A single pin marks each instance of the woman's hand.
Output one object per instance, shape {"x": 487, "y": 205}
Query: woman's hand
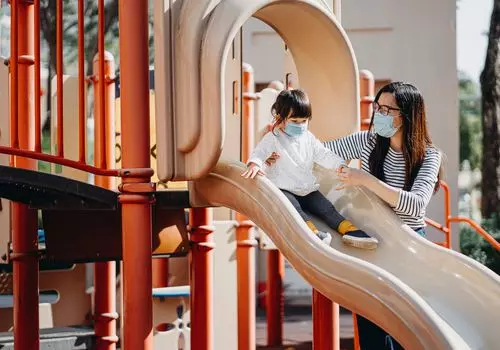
{"x": 272, "y": 159}
{"x": 351, "y": 177}
{"x": 252, "y": 171}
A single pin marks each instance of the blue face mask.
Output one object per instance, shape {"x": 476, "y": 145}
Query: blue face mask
{"x": 384, "y": 125}
{"x": 295, "y": 129}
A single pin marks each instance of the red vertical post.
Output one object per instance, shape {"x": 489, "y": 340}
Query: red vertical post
{"x": 356, "y": 332}
{"x": 201, "y": 283}
{"x": 245, "y": 237}
{"x": 136, "y": 205}
{"x": 275, "y": 299}
{"x": 24, "y": 220}
{"x": 325, "y": 323}
{"x": 366, "y": 97}
{"x": 105, "y": 272}
{"x": 160, "y": 272}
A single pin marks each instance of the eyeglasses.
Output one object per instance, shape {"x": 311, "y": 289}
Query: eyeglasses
{"x": 383, "y": 109}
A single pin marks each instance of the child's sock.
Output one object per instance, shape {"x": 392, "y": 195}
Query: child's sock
{"x": 346, "y": 226}
{"x": 313, "y": 227}
{"x": 324, "y": 236}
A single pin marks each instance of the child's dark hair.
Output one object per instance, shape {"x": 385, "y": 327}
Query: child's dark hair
{"x": 291, "y": 103}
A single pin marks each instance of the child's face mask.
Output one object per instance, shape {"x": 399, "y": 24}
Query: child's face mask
{"x": 295, "y": 129}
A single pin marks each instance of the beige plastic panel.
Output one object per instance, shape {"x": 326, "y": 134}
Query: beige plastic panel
{"x": 4, "y": 159}
{"x": 165, "y": 311}
{"x": 225, "y": 286}
{"x": 428, "y": 297}
{"x": 178, "y": 33}
{"x": 163, "y": 108}
{"x": 233, "y": 108}
{"x": 70, "y": 120}
{"x": 325, "y": 63}
{"x": 322, "y": 54}
{"x": 263, "y": 116}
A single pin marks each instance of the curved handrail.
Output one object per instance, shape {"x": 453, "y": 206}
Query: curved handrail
{"x": 446, "y": 228}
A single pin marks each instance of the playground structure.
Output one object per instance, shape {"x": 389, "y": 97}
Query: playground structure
{"x": 198, "y": 59}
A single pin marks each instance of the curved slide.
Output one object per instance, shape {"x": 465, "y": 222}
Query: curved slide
{"x": 427, "y": 296}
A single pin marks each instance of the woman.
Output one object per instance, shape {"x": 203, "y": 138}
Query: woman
{"x": 399, "y": 164}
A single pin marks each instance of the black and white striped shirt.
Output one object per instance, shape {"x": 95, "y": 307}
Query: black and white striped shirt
{"x": 411, "y": 204}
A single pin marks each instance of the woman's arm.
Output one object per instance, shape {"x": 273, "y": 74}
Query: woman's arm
{"x": 324, "y": 156}
{"x": 407, "y": 202}
{"x": 349, "y": 147}
{"x": 412, "y": 202}
{"x": 357, "y": 177}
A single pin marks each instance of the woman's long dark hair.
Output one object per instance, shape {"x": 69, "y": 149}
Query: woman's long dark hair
{"x": 416, "y": 137}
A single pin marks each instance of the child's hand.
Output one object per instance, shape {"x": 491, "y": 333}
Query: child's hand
{"x": 351, "y": 177}
{"x": 339, "y": 169}
{"x": 252, "y": 171}
{"x": 272, "y": 159}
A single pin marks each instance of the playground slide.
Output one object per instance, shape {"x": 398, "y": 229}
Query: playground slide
{"x": 428, "y": 297}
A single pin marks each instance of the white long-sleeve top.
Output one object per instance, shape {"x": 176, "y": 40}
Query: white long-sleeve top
{"x": 293, "y": 171}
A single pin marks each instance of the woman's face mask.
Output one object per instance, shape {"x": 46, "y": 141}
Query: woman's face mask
{"x": 295, "y": 129}
{"x": 384, "y": 125}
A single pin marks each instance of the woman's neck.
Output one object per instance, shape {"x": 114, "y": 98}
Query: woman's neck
{"x": 397, "y": 141}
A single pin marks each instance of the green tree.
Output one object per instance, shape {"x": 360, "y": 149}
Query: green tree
{"x": 476, "y": 247}
{"x": 470, "y": 122}
{"x": 490, "y": 91}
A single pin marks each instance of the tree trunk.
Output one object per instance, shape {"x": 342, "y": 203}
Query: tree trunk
{"x": 490, "y": 89}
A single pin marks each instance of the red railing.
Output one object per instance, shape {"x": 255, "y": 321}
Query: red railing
{"x": 449, "y": 219}
{"x": 17, "y": 83}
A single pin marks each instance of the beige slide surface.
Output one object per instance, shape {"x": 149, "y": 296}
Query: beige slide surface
{"x": 428, "y": 297}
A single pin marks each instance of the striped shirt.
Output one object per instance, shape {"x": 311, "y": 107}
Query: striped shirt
{"x": 411, "y": 204}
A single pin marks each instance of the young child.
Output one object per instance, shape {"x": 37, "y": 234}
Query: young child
{"x": 293, "y": 171}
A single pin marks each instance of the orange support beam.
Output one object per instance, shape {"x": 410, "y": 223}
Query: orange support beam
{"x": 136, "y": 207}
{"x": 160, "y": 272}
{"x": 326, "y": 334}
{"x": 202, "y": 264}
{"x": 105, "y": 272}
{"x": 245, "y": 237}
{"x": 24, "y": 220}
{"x": 367, "y": 96}
{"x": 275, "y": 299}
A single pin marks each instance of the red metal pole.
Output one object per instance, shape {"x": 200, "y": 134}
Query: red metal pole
{"x": 82, "y": 102}
{"x": 201, "y": 279}
{"x": 160, "y": 272}
{"x": 24, "y": 220}
{"x": 104, "y": 272}
{"x": 356, "y": 332}
{"x": 447, "y": 212}
{"x": 275, "y": 299}
{"x": 367, "y": 95}
{"x": 136, "y": 207}
{"x": 325, "y": 323}
{"x": 245, "y": 237}
{"x": 59, "y": 77}
{"x": 38, "y": 94}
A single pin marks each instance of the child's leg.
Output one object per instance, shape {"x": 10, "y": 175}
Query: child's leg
{"x": 318, "y": 205}
{"x": 295, "y": 200}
